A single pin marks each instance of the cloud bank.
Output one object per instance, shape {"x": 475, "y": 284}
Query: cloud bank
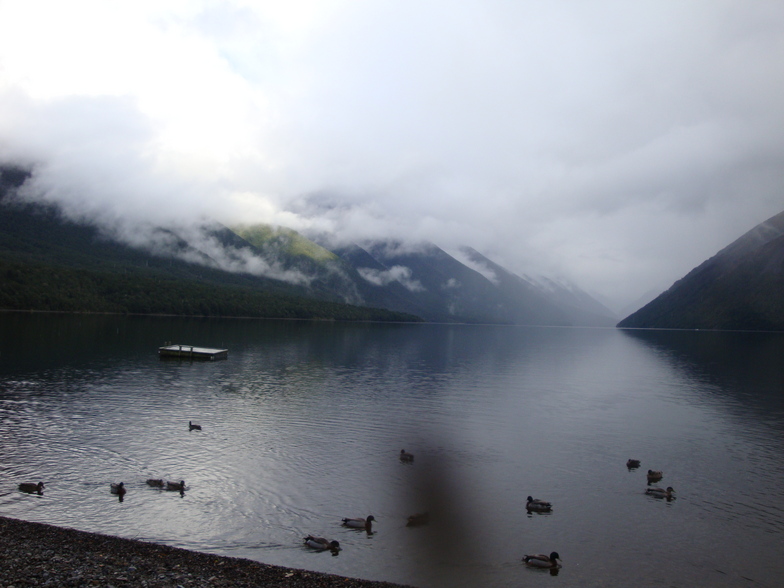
{"x": 617, "y": 144}
{"x": 397, "y": 273}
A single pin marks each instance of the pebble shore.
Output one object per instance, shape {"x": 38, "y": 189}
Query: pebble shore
{"x": 35, "y": 554}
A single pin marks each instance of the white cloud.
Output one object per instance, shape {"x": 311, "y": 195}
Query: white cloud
{"x": 618, "y": 144}
{"x": 397, "y": 273}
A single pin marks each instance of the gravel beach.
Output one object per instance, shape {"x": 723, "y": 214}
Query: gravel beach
{"x": 35, "y": 554}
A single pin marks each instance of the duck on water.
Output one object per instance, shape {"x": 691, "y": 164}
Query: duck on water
{"x": 661, "y": 492}
{"x": 534, "y": 504}
{"x": 541, "y": 560}
{"x": 119, "y": 490}
{"x": 418, "y": 519}
{"x": 176, "y": 487}
{"x": 170, "y": 486}
{"x": 360, "y": 523}
{"x": 322, "y": 544}
{"x": 32, "y": 488}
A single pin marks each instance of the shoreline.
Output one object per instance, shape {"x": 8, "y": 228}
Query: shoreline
{"x": 39, "y": 554}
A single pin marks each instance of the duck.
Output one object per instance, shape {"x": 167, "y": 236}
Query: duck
{"x": 118, "y": 489}
{"x": 654, "y": 476}
{"x": 360, "y": 523}
{"x": 155, "y": 483}
{"x": 192, "y": 427}
{"x": 542, "y": 561}
{"x": 538, "y": 505}
{"x": 176, "y": 486}
{"x": 633, "y": 463}
{"x": 661, "y": 492}
{"x": 420, "y": 518}
{"x": 32, "y": 488}
{"x": 405, "y": 456}
{"x": 321, "y": 544}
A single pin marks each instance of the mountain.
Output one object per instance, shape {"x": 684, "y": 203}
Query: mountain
{"x": 50, "y": 263}
{"x": 324, "y": 271}
{"x": 218, "y": 270}
{"x": 571, "y": 302}
{"x": 739, "y": 288}
{"x": 435, "y": 285}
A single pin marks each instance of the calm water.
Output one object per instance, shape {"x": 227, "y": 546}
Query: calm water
{"x": 303, "y": 424}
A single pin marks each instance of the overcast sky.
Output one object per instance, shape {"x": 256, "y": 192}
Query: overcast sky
{"x": 615, "y": 143}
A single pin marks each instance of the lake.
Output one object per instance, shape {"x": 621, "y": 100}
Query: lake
{"x": 304, "y": 423}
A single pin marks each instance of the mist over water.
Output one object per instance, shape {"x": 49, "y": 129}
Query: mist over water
{"x": 303, "y": 425}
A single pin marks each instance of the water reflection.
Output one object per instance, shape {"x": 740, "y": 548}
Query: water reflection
{"x": 304, "y": 424}
{"x": 742, "y": 368}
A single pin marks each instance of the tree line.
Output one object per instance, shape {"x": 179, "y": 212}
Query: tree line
{"x": 25, "y": 286}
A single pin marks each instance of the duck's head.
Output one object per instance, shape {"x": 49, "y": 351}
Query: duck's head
{"x": 370, "y": 518}
{"x": 670, "y": 490}
{"x": 530, "y": 499}
{"x": 554, "y": 555}
{"x": 334, "y": 545}
{"x": 40, "y": 486}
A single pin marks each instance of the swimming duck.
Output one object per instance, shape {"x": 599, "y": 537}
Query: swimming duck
{"x": 192, "y": 427}
{"x": 360, "y": 523}
{"x": 118, "y": 489}
{"x": 32, "y": 488}
{"x": 633, "y": 463}
{"x": 176, "y": 486}
{"x": 405, "y": 456}
{"x": 321, "y": 544}
{"x": 661, "y": 492}
{"x": 421, "y": 518}
{"x": 155, "y": 483}
{"x": 654, "y": 476}
{"x": 542, "y": 561}
{"x": 538, "y": 505}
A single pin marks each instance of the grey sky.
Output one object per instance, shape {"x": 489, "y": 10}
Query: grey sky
{"x": 618, "y": 144}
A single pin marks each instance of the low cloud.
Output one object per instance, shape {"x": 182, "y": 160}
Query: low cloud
{"x": 463, "y": 257}
{"x": 207, "y": 250}
{"x": 397, "y": 273}
{"x": 616, "y": 144}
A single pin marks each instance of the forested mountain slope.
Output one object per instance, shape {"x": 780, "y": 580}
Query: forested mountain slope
{"x": 739, "y": 288}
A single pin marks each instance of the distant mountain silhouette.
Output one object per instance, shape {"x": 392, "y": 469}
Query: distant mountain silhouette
{"x": 543, "y": 296}
{"x": 425, "y": 280}
{"x": 739, "y": 288}
{"x": 52, "y": 263}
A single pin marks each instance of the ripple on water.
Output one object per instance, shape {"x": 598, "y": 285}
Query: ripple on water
{"x": 295, "y": 437}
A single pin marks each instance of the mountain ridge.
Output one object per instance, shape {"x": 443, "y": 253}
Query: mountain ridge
{"x": 419, "y": 280}
{"x": 739, "y": 288}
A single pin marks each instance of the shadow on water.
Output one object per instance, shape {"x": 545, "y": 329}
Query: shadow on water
{"x": 745, "y": 370}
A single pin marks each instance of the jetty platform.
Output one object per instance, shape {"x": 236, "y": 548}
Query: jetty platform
{"x": 191, "y": 352}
